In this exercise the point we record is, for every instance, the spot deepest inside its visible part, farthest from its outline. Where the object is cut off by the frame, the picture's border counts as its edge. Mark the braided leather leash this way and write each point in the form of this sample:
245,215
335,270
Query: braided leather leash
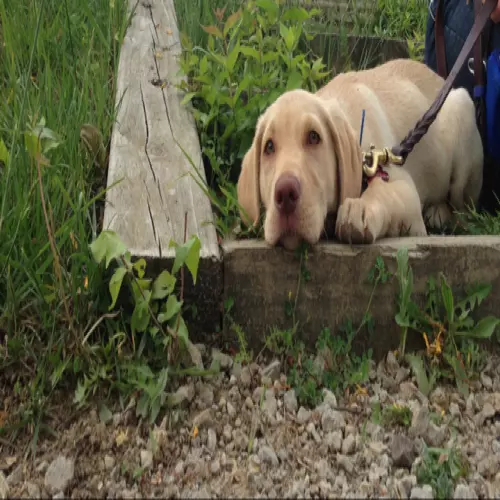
374,159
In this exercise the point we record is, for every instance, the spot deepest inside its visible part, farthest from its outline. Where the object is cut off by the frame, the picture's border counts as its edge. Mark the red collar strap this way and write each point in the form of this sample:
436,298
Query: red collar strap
379,173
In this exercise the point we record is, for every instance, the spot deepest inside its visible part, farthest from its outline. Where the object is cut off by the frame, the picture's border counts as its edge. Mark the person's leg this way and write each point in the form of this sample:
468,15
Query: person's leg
458,17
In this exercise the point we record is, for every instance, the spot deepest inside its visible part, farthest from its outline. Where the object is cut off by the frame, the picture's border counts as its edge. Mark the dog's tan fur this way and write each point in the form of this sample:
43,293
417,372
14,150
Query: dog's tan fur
444,170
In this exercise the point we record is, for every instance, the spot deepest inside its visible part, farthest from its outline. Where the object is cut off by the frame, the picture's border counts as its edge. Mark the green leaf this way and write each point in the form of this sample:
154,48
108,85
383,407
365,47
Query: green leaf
484,329
460,375
402,320
182,331
145,371
417,365
297,14
115,285
231,21
80,392
475,295
155,410
32,144
269,6
172,307
141,410
141,317
140,267
188,254
288,36
232,57
448,300
250,52
187,98
105,414
108,246
163,285
4,153
294,81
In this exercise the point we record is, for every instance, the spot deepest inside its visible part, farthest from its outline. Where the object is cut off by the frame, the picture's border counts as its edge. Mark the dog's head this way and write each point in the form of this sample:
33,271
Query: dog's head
303,162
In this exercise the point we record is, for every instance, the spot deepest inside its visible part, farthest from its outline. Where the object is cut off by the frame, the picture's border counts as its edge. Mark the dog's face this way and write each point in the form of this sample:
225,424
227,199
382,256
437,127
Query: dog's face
304,161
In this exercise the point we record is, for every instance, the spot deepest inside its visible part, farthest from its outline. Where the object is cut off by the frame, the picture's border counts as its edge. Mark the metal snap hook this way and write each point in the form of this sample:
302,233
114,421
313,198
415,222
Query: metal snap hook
470,65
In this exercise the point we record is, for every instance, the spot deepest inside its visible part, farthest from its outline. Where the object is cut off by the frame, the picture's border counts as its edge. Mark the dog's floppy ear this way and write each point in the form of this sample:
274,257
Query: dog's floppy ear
248,188
348,154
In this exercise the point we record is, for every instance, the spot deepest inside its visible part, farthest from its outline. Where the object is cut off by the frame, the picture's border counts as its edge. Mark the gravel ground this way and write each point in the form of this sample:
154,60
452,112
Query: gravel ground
243,434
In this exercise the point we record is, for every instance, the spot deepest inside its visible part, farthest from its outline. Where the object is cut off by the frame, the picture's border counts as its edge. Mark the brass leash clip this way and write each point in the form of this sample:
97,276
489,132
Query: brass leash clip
376,158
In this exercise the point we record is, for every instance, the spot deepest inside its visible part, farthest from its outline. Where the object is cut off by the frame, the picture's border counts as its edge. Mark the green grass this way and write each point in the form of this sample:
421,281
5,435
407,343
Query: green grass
387,18
58,62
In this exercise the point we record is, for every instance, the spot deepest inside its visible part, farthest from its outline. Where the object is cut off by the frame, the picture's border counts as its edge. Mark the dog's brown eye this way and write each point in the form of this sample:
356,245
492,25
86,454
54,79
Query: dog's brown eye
269,148
313,137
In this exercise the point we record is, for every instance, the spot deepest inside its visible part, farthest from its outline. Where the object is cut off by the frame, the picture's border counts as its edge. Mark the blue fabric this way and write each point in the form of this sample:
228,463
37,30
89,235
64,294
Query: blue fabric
458,20
493,104
458,17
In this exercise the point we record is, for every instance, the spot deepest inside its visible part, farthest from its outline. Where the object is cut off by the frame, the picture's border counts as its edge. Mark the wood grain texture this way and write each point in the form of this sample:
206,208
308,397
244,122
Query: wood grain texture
152,184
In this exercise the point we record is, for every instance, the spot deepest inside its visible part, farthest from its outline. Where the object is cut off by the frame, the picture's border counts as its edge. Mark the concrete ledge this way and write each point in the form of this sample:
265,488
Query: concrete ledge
155,195
260,278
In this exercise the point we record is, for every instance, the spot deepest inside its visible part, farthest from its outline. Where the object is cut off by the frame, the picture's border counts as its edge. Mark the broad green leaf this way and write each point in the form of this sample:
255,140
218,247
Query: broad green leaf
140,266
115,285
288,35
141,317
141,409
475,295
269,6
172,307
32,144
107,246
232,57
187,98
417,365
155,410
182,331
484,329
294,81
402,320
297,14
188,254
203,65
145,371
460,375
250,52
80,392
448,300
231,21
163,285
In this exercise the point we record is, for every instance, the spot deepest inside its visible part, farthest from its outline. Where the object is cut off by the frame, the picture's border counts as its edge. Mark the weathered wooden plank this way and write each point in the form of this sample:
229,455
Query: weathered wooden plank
260,280
157,185
152,188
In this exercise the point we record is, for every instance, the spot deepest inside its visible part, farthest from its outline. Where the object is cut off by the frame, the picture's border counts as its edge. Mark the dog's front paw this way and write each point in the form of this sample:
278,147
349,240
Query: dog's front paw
357,222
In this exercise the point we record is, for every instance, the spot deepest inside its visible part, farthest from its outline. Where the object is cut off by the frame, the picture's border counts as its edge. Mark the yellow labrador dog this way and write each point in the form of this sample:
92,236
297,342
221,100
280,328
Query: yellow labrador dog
305,161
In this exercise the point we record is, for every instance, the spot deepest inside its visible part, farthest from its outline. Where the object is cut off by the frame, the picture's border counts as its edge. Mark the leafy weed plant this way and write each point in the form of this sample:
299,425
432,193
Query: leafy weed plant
450,332
156,321
441,468
251,57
